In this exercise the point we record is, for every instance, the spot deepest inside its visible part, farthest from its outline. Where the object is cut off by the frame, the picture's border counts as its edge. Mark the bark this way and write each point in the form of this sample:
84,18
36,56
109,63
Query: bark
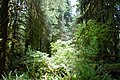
4,25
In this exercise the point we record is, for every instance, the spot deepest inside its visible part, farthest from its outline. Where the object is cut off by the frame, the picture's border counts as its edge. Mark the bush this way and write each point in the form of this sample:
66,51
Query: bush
14,76
40,66
90,39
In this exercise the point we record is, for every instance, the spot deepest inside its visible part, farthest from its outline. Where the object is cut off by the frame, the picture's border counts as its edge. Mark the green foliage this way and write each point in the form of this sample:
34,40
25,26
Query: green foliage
86,71
65,64
91,38
36,63
85,40
57,66
36,23
14,76
63,53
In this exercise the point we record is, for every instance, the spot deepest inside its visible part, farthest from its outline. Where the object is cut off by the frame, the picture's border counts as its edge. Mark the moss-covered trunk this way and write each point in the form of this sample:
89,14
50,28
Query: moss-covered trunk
3,25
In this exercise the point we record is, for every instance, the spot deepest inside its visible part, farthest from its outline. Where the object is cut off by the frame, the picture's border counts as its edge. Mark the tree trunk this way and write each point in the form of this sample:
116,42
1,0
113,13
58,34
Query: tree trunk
3,25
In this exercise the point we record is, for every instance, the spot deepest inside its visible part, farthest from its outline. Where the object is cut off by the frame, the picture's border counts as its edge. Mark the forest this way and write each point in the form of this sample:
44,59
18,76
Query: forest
59,39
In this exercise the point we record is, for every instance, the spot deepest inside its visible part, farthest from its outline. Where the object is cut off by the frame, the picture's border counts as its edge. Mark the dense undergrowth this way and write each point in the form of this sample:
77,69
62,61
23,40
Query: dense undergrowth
69,59
65,64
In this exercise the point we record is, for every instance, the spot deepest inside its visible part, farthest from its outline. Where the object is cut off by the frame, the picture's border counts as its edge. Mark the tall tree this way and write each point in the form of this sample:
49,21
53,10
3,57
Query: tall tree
4,19
16,31
38,27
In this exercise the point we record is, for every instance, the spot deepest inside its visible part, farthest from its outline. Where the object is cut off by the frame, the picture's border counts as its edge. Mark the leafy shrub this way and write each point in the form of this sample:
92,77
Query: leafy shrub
36,63
90,41
91,38
14,76
63,53
41,66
